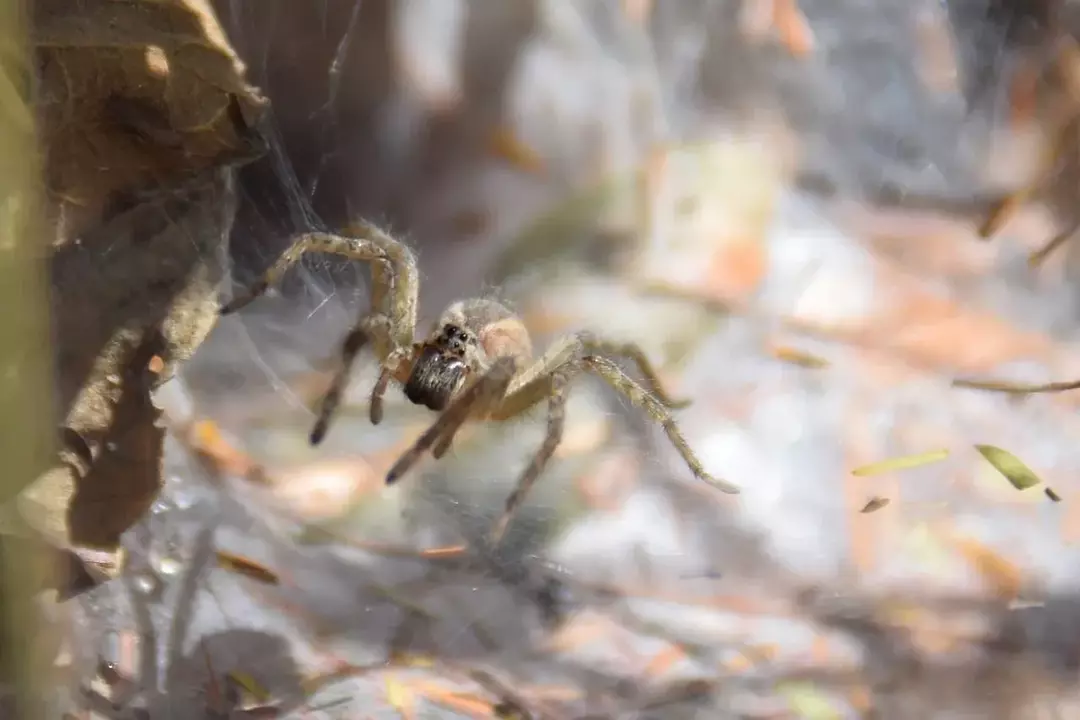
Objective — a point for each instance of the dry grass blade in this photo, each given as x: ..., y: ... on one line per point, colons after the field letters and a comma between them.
x: 798, y: 357
x: 249, y: 686
x: 247, y: 568
x: 1017, y: 388
x: 901, y: 463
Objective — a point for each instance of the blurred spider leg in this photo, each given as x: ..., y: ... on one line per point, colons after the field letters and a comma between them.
x: 593, y: 345
x: 584, y: 343
x: 445, y: 442
x: 481, y: 394
x: 1057, y: 241
x: 389, y: 371
x: 556, y: 388
x: 1003, y: 209
x: 395, y: 275
x: 373, y: 326
x: 611, y: 373
x: 355, y: 248
x: 375, y: 406
x: 405, y: 286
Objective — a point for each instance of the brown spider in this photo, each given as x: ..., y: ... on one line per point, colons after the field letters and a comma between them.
x: 477, y: 362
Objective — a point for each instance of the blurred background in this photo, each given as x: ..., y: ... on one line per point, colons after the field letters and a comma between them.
x: 813, y: 216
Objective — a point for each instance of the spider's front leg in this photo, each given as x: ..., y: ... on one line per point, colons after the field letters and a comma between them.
x: 395, y: 279
x: 392, y: 323
x: 485, y: 392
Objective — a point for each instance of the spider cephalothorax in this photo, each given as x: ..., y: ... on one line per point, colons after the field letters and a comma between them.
x: 476, y: 363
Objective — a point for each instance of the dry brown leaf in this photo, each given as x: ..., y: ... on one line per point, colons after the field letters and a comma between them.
x: 152, y: 91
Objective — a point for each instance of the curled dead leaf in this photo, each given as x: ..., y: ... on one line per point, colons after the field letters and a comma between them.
x: 153, y: 92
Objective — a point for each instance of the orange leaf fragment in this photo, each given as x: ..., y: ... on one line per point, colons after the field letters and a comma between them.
x: 664, y: 661
x: 458, y: 701
x: 505, y: 145
x: 1003, y: 577
x: 798, y: 357
x: 206, y: 440
x: 248, y: 568
x: 792, y: 28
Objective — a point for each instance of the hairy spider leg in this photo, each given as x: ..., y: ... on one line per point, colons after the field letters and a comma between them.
x: 549, y: 377
x: 390, y: 325
x: 370, y: 327
x: 555, y: 387
x: 378, y: 390
x: 586, y: 343
x: 484, y: 392
x: 611, y: 373
x: 1049, y: 157
x: 575, y: 347
x: 394, y: 277
x: 1055, y: 242
x: 390, y: 369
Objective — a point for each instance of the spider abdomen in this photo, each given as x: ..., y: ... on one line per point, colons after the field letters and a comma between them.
x: 435, y: 377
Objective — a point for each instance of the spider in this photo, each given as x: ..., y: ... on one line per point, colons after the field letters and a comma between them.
x: 477, y: 362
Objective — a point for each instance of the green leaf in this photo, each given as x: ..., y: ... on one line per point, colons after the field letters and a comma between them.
x: 1017, y: 473
x: 901, y: 463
